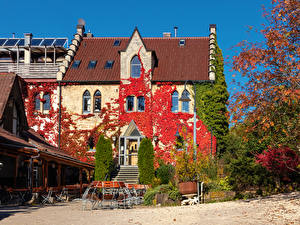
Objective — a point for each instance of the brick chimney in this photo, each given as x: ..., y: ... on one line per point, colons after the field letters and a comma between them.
x: 80, y: 27
x: 166, y: 34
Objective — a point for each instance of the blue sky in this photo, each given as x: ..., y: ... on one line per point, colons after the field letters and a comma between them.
x: 118, y: 18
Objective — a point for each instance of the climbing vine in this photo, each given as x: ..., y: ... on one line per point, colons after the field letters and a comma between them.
x: 156, y: 120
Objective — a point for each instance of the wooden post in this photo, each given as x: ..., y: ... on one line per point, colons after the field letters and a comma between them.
x: 80, y: 180
x: 46, y: 175
x: 59, y: 176
x: 16, y: 172
x: 88, y: 176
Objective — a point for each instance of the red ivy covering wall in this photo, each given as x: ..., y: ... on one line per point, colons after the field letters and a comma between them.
x: 157, y: 119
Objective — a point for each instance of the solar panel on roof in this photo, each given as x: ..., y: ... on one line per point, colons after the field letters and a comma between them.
x: 60, y: 42
x: 36, y: 41
x: 11, y: 42
x: 48, y: 42
x: 2, y: 41
x: 21, y: 42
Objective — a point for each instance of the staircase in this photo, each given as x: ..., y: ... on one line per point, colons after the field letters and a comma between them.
x: 128, y: 174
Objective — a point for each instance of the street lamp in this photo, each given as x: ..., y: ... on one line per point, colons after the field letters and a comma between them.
x: 185, y: 98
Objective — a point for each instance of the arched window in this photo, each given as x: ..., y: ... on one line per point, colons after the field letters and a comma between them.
x: 37, y: 102
x: 135, y: 67
x: 185, y: 106
x: 141, y: 104
x: 174, y: 102
x: 46, y: 103
x: 86, y: 102
x: 97, y: 101
x: 130, y: 103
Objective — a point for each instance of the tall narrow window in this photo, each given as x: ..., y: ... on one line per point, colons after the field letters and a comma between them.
x: 174, y: 102
x: 86, y: 102
x: 97, y: 101
x: 37, y: 102
x: 185, y: 106
x: 46, y: 103
x: 135, y: 67
x: 130, y: 103
x: 141, y: 104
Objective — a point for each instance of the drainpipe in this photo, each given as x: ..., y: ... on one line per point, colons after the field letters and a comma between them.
x: 59, y: 115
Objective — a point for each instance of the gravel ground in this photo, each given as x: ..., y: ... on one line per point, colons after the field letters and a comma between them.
x: 277, y: 209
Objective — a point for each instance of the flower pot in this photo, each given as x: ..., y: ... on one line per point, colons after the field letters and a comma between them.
x: 188, y: 187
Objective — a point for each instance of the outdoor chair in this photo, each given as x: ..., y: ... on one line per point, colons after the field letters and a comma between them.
x: 63, y: 195
x: 47, y: 197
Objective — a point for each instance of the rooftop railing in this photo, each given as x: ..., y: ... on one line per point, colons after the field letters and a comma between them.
x: 33, y: 70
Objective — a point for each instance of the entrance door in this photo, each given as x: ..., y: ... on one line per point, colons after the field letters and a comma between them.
x: 128, y: 153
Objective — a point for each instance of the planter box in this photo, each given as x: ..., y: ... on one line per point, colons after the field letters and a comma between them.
x: 188, y: 188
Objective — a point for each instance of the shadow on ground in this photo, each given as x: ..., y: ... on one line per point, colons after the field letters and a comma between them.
x: 6, y: 211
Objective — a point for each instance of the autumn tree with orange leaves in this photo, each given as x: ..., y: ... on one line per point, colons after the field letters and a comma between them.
x: 269, y: 101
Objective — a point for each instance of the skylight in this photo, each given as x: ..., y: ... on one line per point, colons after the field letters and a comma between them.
x: 109, y: 64
x: 117, y: 42
x: 76, y: 64
x: 181, y: 42
x: 92, y: 64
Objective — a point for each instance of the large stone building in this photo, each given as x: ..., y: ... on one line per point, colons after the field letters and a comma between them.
x: 139, y: 82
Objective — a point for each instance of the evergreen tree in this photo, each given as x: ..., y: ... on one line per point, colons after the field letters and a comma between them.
x: 211, y: 100
x: 146, y: 161
x: 104, y: 159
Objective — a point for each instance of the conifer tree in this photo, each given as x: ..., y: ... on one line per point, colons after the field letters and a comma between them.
x: 212, y: 100
x: 146, y: 161
x: 104, y: 159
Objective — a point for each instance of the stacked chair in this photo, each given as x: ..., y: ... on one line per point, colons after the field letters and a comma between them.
x: 112, y: 194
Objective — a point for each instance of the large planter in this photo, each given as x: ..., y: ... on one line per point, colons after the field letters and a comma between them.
x: 188, y: 187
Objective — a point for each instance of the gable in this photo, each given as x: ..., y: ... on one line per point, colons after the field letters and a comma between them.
x: 132, y: 130
x: 11, y: 100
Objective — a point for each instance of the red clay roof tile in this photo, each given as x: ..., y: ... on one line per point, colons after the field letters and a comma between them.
x: 175, y: 63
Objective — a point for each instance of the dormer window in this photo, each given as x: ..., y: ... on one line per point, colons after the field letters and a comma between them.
x: 92, y: 64
x: 135, y: 67
x: 76, y: 64
x: 109, y: 64
x: 117, y: 42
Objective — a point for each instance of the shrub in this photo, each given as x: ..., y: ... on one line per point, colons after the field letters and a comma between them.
x: 165, y: 173
x: 104, y: 159
x: 282, y: 162
x: 170, y: 189
x: 146, y: 161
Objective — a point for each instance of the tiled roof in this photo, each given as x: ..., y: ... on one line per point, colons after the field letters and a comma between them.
x: 6, y: 83
x: 11, y: 139
x: 175, y: 63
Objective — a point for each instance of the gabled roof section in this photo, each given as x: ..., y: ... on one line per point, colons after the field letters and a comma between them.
x: 132, y: 130
x: 174, y: 62
x: 136, y: 31
x: 6, y: 83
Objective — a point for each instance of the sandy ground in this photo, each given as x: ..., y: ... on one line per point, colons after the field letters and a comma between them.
x: 277, y: 209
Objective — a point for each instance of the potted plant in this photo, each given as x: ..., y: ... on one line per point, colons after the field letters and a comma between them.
x: 186, y: 173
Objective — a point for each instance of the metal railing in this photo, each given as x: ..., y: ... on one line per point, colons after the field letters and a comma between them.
x: 33, y: 70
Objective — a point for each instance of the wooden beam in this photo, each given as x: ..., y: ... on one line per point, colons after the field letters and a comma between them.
x: 59, y: 175
x: 80, y: 180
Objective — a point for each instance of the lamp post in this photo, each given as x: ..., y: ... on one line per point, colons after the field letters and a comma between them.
x: 185, y: 98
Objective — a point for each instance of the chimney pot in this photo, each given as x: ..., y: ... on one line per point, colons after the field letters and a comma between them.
x: 175, y: 31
